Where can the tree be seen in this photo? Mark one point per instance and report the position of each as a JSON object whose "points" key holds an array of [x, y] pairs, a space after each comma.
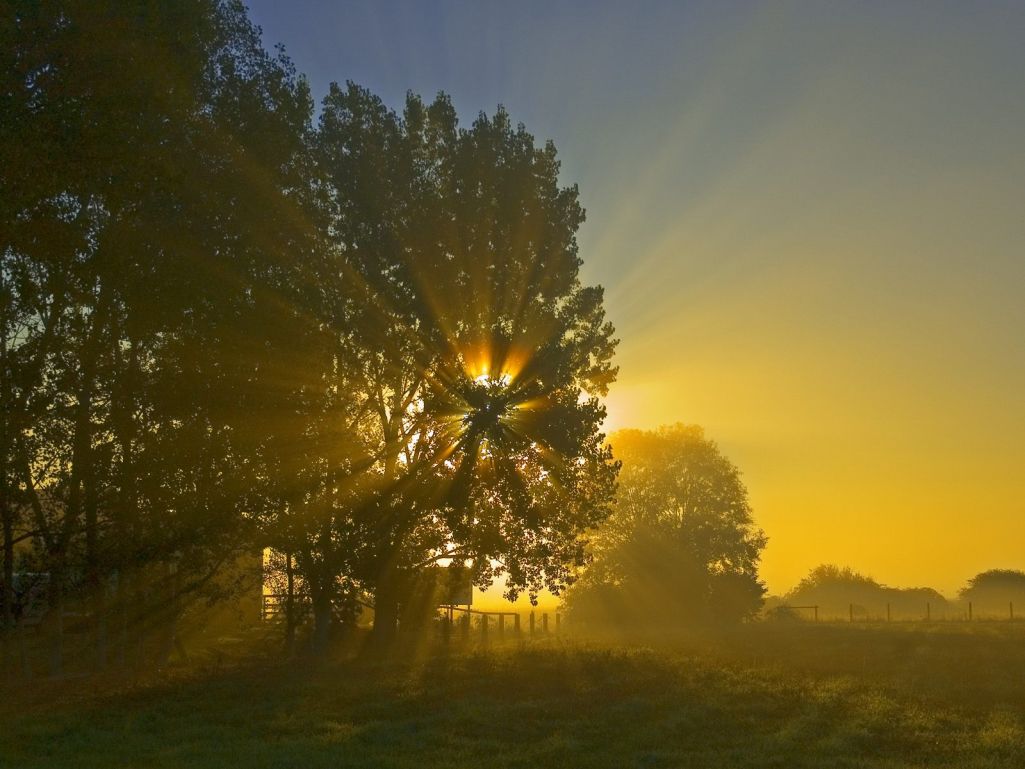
{"points": [[839, 591], [160, 251], [367, 345], [992, 591], [482, 355], [680, 545]]}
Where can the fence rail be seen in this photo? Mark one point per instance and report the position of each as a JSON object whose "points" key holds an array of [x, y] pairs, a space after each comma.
{"points": [[858, 613], [274, 609]]}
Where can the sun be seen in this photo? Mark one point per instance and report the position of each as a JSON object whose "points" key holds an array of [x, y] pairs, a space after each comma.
{"points": [[484, 378]]}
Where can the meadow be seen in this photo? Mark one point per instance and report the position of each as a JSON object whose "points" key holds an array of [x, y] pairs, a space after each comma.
{"points": [[943, 694]]}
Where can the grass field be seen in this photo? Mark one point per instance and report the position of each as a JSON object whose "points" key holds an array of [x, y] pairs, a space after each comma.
{"points": [[946, 694]]}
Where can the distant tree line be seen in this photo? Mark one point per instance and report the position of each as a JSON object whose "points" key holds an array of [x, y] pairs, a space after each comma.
{"points": [[841, 592], [226, 325]]}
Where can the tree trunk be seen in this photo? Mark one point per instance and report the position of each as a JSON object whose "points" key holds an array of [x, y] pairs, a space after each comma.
{"points": [[55, 597], [322, 620], [386, 606], [7, 598], [171, 641], [121, 600], [290, 618], [6, 505], [123, 514], [95, 587], [8, 574]]}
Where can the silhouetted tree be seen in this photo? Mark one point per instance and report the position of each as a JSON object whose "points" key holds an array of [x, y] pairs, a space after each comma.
{"points": [[992, 591], [159, 249], [480, 350], [366, 346], [838, 591], [680, 546]]}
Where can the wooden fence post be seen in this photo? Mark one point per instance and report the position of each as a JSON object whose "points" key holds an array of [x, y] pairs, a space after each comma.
{"points": [[532, 623], [516, 623], [544, 622]]}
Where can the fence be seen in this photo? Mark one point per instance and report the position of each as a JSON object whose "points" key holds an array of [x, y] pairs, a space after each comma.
{"points": [[856, 612], [499, 623], [274, 607], [537, 623]]}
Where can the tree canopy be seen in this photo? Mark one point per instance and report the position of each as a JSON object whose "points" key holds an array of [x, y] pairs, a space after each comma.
{"points": [[992, 592], [362, 342], [681, 545], [842, 591], [156, 247], [475, 353]]}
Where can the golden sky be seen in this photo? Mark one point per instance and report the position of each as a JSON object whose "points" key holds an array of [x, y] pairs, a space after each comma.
{"points": [[810, 223], [841, 303]]}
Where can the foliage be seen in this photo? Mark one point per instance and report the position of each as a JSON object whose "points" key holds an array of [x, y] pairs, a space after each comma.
{"points": [[991, 592], [840, 591], [474, 354], [992, 579], [364, 344], [156, 247], [681, 545]]}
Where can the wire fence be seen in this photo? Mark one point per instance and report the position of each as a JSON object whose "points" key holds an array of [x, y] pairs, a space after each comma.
{"points": [[966, 612]]}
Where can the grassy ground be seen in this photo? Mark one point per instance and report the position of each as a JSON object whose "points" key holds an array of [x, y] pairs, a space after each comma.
{"points": [[762, 696]]}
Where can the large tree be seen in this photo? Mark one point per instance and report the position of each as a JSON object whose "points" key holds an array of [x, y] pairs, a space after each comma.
{"points": [[368, 346], [159, 246], [482, 354], [681, 545]]}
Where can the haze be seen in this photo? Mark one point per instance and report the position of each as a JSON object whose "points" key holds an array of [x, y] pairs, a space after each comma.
{"points": [[808, 222]]}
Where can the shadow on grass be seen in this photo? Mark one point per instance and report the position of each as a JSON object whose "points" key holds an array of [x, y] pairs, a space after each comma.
{"points": [[707, 703]]}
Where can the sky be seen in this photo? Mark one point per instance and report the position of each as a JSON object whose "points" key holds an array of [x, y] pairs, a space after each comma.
{"points": [[809, 220]]}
